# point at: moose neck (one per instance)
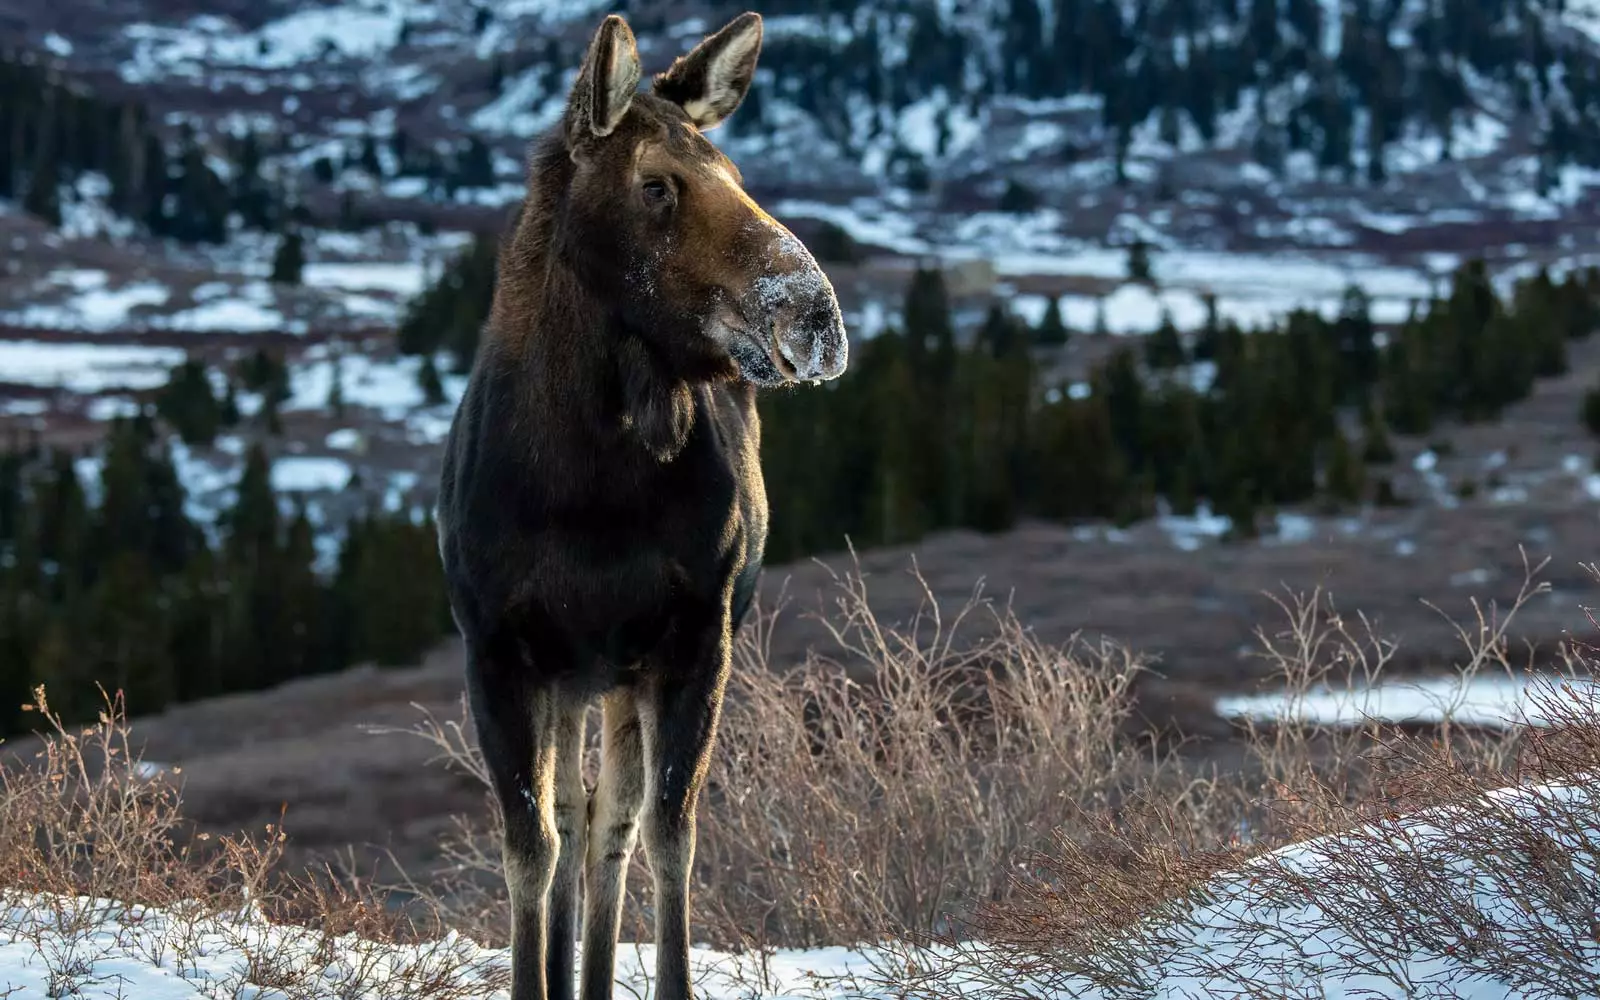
(586, 369)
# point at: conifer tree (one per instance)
(1052, 331)
(1164, 348)
(1139, 262)
(289, 260)
(429, 381)
(1344, 480)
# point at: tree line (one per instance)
(932, 429)
(928, 430)
(1184, 64)
(173, 182)
(109, 578)
(54, 132)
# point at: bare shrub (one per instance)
(1363, 859)
(96, 863)
(853, 802)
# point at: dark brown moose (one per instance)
(601, 511)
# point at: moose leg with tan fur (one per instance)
(572, 819)
(613, 830)
(679, 722)
(516, 721)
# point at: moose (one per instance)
(601, 511)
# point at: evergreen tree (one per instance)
(188, 404)
(1018, 198)
(43, 196)
(1164, 348)
(1344, 480)
(1375, 446)
(336, 385)
(428, 379)
(1139, 263)
(1051, 332)
(1591, 410)
(289, 260)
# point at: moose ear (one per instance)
(712, 79)
(606, 83)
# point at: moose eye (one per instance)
(656, 190)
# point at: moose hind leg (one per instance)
(679, 726)
(517, 733)
(571, 817)
(613, 830)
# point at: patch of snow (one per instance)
(93, 307)
(111, 408)
(344, 439)
(86, 367)
(428, 428)
(1486, 700)
(308, 474)
(388, 386)
(23, 407)
(399, 278)
(250, 308)
(1190, 533)
(208, 41)
(1295, 528)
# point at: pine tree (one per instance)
(1591, 410)
(1018, 198)
(188, 404)
(289, 260)
(1164, 348)
(368, 160)
(1000, 333)
(43, 196)
(428, 379)
(229, 414)
(1051, 332)
(1375, 446)
(336, 385)
(1139, 263)
(1344, 479)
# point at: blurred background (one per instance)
(1160, 309)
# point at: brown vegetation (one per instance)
(975, 806)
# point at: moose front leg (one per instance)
(516, 725)
(679, 723)
(572, 820)
(613, 827)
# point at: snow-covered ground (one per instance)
(86, 368)
(1485, 700)
(1415, 907)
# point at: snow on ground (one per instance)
(91, 304)
(1584, 15)
(187, 51)
(1488, 700)
(1303, 920)
(389, 386)
(86, 368)
(397, 278)
(250, 308)
(307, 474)
(135, 952)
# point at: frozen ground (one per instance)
(1486, 700)
(1298, 921)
